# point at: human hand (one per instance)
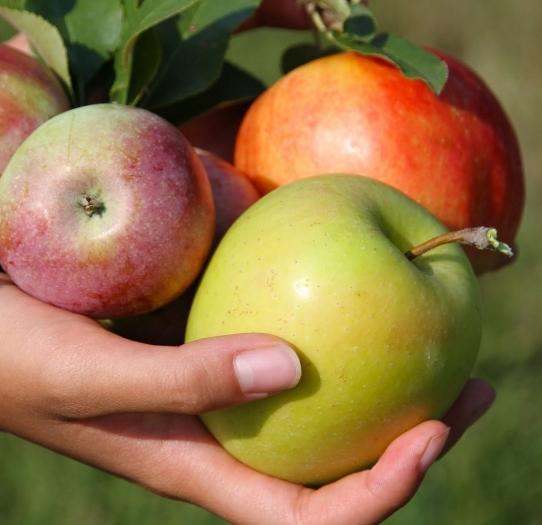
(126, 408)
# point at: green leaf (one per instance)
(45, 40)
(195, 46)
(140, 16)
(267, 53)
(361, 21)
(234, 85)
(147, 58)
(413, 61)
(90, 29)
(6, 31)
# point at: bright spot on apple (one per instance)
(302, 288)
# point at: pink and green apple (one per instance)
(29, 95)
(105, 210)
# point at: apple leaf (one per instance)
(90, 29)
(195, 45)
(267, 53)
(361, 21)
(233, 85)
(44, 37)
(147, 57)
(6, 31)
(139, 16)
(413, 61)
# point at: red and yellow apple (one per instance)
(29, 95)
(105, 210)
(456, 153)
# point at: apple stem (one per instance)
(483, 238)
(327, 15)
(91, 205)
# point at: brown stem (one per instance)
(483, 238)
(91, 204)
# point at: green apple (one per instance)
(385, 342)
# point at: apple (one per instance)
(283, 13)
(216, 130)
(385, 342)
(278, 13)
(232, 191)
(164, 326)
(456, 154)
(105, 210)
(29, 95)
(20, 42)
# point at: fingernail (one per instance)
(433, 449)
(267, 370)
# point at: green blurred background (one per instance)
(494, 476)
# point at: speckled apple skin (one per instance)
(385, 343)
(29, 95)
(233, 192)
(456, 153)
(157, 224)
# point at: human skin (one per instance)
(456, 153)
(29, 95)
(154, 220)
(137, 421)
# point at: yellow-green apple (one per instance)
(232, 191)
(385, 342)
(105, 210)
(455, 153)
(29, 95)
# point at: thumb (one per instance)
(372, 495)
(120, 376)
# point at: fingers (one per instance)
(69, 366)
(95, 373)
(370, 496)
(474, 401)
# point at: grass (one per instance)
(494, 476)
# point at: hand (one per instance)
(126, 408)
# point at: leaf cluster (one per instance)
(180, 58)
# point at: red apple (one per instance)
(216, 130)
(164, 326)
(29, 95)
(233, 192)
(456, 153)
(105, 210)
(282, 13)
